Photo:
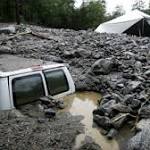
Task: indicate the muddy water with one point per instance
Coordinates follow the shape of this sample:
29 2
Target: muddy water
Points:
83 103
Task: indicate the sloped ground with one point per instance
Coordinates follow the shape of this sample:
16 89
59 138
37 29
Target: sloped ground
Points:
118 66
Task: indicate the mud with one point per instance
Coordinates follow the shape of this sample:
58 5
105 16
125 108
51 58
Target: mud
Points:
117 66
35 132
83 103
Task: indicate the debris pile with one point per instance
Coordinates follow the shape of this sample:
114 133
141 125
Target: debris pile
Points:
33 127
118 66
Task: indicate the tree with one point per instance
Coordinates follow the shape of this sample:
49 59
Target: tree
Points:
138 4
54 13
7 10
18 9
119 11
90 14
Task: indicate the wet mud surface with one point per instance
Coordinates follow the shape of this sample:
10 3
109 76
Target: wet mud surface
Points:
34 132
83 103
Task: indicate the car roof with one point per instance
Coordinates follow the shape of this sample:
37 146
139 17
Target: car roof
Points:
11 65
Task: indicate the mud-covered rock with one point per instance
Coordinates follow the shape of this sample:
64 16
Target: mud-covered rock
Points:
119 120
103 66
102 121
112 133
49 112
106 109
144 111
89 144
121 108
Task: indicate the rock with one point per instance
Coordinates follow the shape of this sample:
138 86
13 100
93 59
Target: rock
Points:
128 98
119 120
89 144
104 132
147 73
105 109
117 97
145 111
103 66
133 85
102 121
5 50
77 53
112 133
131 101
68 54
41 120
49 113
82 53
121 108
135 104
50 102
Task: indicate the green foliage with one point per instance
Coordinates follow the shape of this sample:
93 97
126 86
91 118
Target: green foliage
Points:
90 15
7 10
54 13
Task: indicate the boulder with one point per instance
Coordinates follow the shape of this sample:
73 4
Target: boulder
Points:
105 109
85 53
119 120
102 121
103 66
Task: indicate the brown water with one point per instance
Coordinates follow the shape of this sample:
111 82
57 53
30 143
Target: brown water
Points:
83 103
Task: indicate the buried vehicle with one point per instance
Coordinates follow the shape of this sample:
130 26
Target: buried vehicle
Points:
20 86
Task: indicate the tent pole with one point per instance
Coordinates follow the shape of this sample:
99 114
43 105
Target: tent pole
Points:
143 26
139 33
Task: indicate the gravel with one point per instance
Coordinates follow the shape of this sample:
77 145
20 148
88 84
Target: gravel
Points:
118 66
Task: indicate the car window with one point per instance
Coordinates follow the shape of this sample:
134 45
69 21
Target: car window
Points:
27 89
56 81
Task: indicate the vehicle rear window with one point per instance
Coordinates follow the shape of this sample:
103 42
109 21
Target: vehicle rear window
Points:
27 89
56 82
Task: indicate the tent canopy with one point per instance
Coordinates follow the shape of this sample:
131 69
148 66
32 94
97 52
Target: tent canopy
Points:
135 23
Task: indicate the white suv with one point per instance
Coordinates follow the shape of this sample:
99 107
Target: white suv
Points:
22 86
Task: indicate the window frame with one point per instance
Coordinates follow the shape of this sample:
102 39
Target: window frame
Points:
55 70
11 78
71 86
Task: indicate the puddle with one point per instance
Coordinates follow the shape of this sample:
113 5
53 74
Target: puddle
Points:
83 103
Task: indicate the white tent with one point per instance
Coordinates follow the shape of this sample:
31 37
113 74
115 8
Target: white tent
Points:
134 23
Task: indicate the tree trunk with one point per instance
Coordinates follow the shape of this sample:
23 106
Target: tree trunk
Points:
18 11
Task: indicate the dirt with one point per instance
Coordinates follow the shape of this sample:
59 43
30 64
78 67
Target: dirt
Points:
23 131
117 66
